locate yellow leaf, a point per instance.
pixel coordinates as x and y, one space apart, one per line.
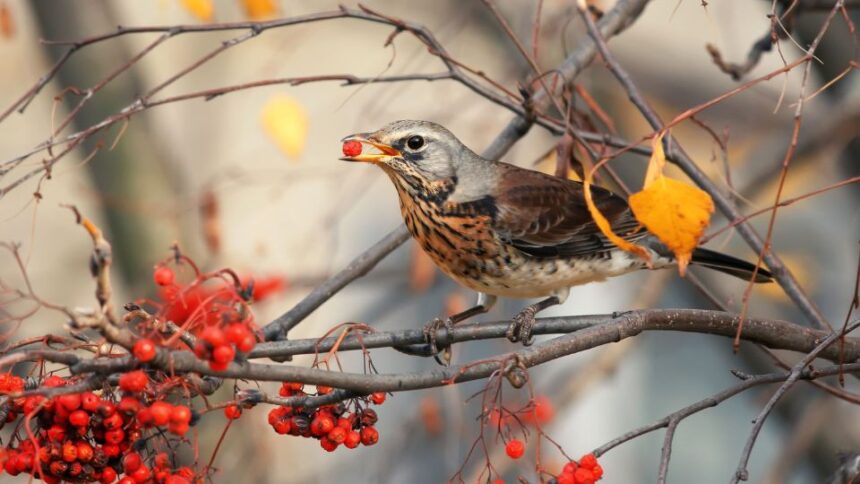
260 9
606 228
285 121
657 161
677 213
202 9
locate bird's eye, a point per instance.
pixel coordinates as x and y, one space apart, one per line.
415 142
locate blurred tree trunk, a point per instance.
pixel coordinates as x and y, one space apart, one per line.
136 174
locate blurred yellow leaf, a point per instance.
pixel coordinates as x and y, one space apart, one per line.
202 9
285 121
676 212
7 25
260 9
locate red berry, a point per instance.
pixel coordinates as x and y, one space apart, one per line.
216 366
515 448
232 412
131 462
247 344
79 418
369 436
351 148
56 433
142 474
178 428
378 398
133 381
213 336
85 452
162 460
223 354
282 426
597 471
160 412
144 350
569 468
112 422
322 425
163 276
70 402
54 381
180 415
129 405
89 401
565 478
114 436
588 461
337 435
235 332
144 417
352 439
111 450
328 444
70 452
108 475
543 409
583 476
176 479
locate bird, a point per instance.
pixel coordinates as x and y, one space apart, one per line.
503 230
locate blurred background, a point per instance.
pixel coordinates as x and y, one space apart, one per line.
219 178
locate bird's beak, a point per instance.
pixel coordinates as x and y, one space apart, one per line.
385 154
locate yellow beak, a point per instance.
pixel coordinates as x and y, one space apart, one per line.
386 152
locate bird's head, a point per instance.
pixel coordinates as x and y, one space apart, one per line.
413 151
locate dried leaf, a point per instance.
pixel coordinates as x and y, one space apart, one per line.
606 228
260 9
422 272
285 121
202 9
211 222
676 212
7 24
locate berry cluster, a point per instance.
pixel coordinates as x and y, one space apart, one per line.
586 471
333 425
84 437
219 347
212 306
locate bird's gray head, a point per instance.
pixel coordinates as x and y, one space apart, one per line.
414 151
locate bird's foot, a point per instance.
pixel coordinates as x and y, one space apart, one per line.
441 355
521 326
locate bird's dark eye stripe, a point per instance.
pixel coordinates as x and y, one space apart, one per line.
415 142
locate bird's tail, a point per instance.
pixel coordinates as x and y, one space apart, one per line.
730 265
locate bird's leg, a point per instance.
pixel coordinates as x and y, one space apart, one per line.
522 324
484 304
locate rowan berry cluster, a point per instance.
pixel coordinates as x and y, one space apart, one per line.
332 425
586 471
214 307
86 437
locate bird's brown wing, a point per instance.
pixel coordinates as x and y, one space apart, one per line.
546 216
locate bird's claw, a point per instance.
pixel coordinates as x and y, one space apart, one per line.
521 326
441 355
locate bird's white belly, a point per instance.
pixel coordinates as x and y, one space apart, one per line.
543 277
